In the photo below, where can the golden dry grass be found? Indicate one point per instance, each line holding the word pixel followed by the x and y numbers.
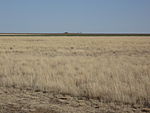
pixel 107 69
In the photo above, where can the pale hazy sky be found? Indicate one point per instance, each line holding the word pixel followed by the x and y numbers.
pixel 106 16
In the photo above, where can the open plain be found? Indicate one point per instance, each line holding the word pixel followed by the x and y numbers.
pixel 74 74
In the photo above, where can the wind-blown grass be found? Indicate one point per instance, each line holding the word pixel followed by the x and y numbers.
pixel 105 69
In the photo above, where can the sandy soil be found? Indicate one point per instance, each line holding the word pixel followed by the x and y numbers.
pixel 15 100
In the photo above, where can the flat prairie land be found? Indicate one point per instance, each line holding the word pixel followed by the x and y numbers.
pixel 74 74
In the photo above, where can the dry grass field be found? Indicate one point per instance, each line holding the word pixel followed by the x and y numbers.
pixel 100 68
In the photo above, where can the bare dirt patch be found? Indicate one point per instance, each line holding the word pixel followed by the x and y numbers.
pixel 14 100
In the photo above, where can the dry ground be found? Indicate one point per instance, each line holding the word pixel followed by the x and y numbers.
pixel 74 74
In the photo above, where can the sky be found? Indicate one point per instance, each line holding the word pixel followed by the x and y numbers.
pixel 86 16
